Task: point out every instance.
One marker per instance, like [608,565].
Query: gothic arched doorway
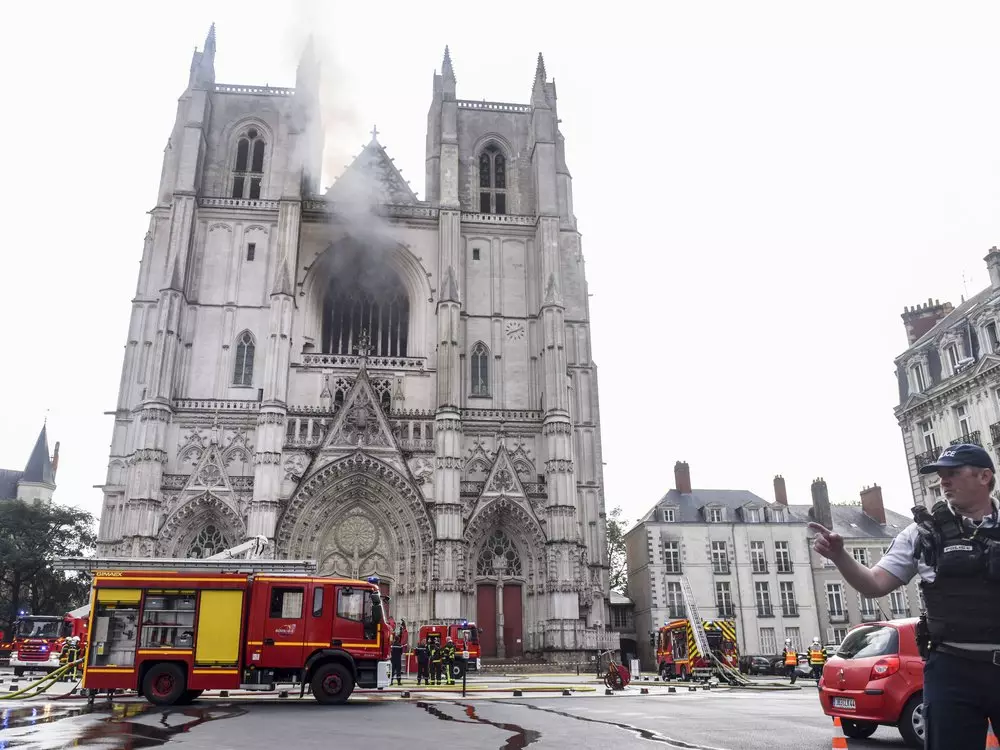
[499,602]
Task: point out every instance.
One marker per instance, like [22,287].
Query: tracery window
[243,367]
[498,557]
[369,299]
[480,361]
[209,541]
[248,172]
[492,181]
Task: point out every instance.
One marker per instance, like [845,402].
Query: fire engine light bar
[93,564]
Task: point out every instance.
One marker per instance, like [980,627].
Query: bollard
[283,694]
[671,690]
[643,691]
[518,693]
[566,692]
[223,693]
[405,694]
[608,691]
[693,689]
[706,687]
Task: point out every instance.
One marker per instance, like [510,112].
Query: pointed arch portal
[499,597]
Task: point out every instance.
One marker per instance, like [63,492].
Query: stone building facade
[391,386]
[949,379]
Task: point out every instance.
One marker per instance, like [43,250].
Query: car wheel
[164,684]
[912,725]
[858,730]
[332,684]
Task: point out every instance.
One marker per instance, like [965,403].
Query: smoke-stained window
[492,180]
[243,368]
[365,296]
[480,361]
[248,171]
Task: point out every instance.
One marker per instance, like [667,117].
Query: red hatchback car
[877,677]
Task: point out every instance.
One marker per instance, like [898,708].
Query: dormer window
[667,515]
[248,171]
[778,515]
[492,181]
[714,515]
[917,378]
[991,336]
[954,356]
[751,515]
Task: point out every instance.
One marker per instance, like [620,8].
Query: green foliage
[31,537]
[616,551]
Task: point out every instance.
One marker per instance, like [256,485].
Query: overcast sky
[761,188]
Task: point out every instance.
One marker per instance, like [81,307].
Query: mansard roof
[688,506]
[372,177]
[851,522]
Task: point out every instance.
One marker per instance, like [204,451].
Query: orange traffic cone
[839,740]
[991,739]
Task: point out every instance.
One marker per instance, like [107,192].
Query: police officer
[449,660]
[817,658]
[423,660]
[396,660]
[955,549]
[791,657]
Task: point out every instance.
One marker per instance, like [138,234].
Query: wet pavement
[713,720]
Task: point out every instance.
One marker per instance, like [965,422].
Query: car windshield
[38,628]
[870,640]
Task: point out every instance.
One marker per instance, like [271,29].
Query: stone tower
[388,385]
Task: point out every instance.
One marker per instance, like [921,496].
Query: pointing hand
[828,544]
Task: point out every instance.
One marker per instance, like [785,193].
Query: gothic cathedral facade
[386,385]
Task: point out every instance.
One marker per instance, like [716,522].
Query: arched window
[248,172]
[364,297]
[480,360]
[209,541]
[243,368]
[492,181]
[498,557]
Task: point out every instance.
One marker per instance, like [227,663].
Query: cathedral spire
[538,98]
[308,71]
[210,42]
[447,75]
[202,74]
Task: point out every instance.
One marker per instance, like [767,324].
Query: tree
[616,551]
[32,535]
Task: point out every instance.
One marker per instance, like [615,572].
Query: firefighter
[954,549]
[396,659]
[423,659]
[817,658]
[437,659]
[791,658]
[449,660]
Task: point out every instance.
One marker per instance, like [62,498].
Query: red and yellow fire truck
[172,628]
[465,636]
[39,640]
[677,655]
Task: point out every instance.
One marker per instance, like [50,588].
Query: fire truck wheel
[457,670]
[332,684]
[164,684]
[19,671]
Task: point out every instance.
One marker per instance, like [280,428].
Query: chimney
[919,319]
[821,503]
[55,461]
[682,477]
[780,493]
[871,504]
[993,266]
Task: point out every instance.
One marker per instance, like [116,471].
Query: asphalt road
[717,720]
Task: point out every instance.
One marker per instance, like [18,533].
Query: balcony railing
[790,610]
[900,613]
[969,437]
[838,617]
[759,567]
[675,612]
[869,616]
[784,567]
[673,567]
[995,432]
[927,457]
[765,611]
[726,611]
[720,569]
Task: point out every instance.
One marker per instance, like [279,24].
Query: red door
[284,629]
[486,618]
[512,616]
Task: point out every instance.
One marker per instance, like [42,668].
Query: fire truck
[678,655]
[465,636]
[173,628]
[39,640]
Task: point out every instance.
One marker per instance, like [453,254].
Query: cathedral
[386,385]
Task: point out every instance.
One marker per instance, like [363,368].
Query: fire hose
[39,686]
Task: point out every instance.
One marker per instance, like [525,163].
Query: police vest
[963,603]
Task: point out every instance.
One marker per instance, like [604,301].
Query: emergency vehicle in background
[38,640]
[173,628]
[678,655]
[465,636]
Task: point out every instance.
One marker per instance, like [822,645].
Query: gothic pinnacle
[210,39]
[540,69]
[446,67]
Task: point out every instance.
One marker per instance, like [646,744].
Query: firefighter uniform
[423,660]
[791,658]
[396,660]
[817,658]
[437,661]
[449,660]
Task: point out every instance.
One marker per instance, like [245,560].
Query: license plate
[845,703]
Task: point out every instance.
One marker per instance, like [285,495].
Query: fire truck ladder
[697,625]
[235,565]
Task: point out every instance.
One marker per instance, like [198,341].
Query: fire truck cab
[39,640]
[171,629]
[465,636]
[677,655]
